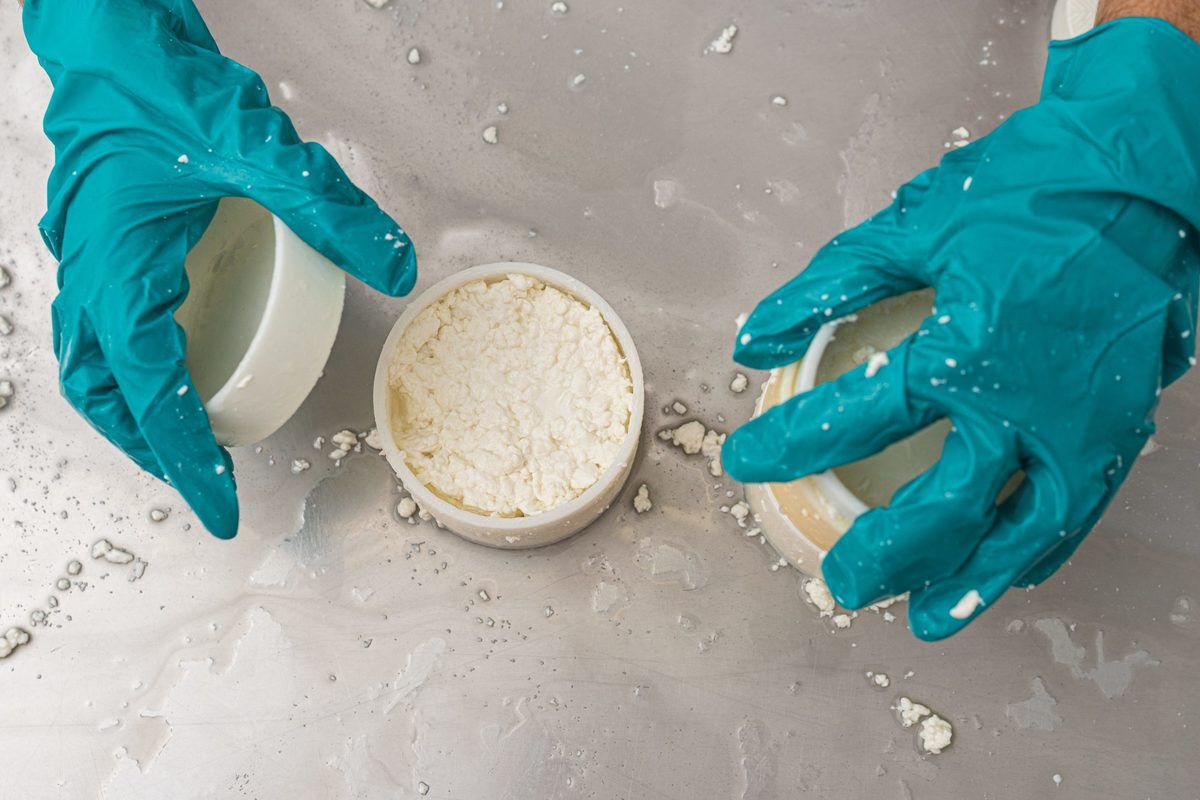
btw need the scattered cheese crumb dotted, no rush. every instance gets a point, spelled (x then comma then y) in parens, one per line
(710, 448)
(841, 621)
(693, 439)
(74, 568)
(345, 439)
(491, 135)
(819, 595)
(406, 508)
(910, 713)
(877, 362)
(967, 605)
(105, 549)
(1058, 779)
(689, 437)
(739, 383)
(641, 501)
(6, 327)
(740, 511)
(936, 734)
(723, 44)
(679, 407)
(559, 8)
(880, 679)
(377, 3)
(374, 439)
(414, 56)
(13, 638)
(300, 465)
(63, 584)
(887, 602)
(779, 100)
(158, 515)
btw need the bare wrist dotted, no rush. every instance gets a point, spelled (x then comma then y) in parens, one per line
(1183, 14)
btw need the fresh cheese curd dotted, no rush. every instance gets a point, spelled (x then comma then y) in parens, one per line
(511, 397)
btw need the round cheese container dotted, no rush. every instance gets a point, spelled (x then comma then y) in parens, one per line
(1073, 18)
(261, 315)
(513, 531)
(803, 519)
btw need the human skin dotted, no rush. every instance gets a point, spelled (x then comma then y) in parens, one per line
(1183, 14)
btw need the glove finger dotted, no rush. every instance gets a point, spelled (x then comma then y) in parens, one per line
(150, 371)
(836, 423)
(89, 386)
(1051, 562)
(133, 283)
(304, 186)
(1062, 552)
(1179, 350)
(1030, 524)
(259, 155)
(929, 529)
(862, 266)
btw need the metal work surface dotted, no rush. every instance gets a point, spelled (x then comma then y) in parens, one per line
(333, 650)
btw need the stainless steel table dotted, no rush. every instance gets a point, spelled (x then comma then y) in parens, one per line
(334, 651)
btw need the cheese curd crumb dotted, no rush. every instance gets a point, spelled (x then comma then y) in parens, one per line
(512, 397)
(641, 501)
(12, 639)
(819, 595)
(911, 713)
(105, 549)
(406, 508)
(693, 438)
(936, 734)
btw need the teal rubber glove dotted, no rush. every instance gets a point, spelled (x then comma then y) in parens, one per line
(151, 126)
(1065, 255)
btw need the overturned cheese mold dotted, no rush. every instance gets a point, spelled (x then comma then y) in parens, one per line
(803, 519)
(261, 317)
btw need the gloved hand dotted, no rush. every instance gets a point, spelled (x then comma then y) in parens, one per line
(1064, 249)
(151, 126)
